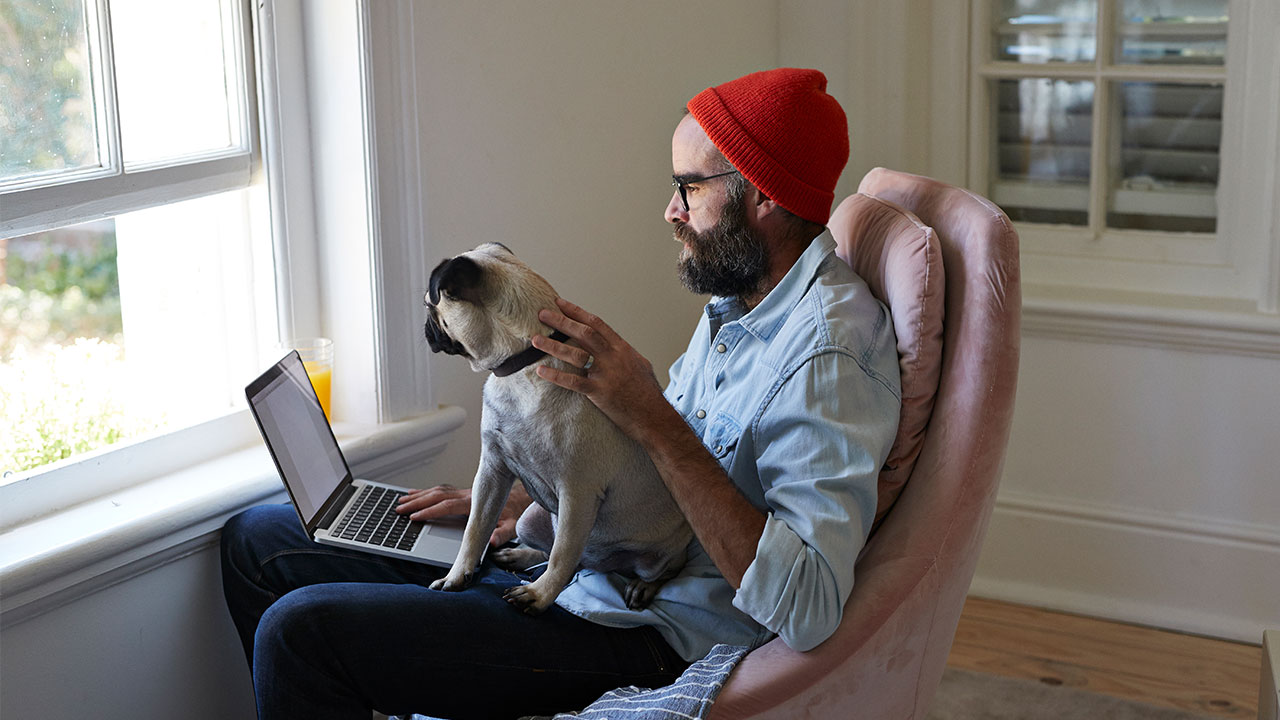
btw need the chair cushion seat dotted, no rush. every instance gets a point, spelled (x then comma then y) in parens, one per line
(900, 259)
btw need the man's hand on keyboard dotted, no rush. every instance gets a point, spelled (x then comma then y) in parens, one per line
(444, 501)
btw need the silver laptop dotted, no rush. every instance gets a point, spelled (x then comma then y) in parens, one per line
(334, 508)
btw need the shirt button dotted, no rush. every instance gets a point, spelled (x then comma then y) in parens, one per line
(721, 348)
(701, 414)
(719, 449)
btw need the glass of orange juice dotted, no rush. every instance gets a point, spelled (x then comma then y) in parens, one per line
(317, 358)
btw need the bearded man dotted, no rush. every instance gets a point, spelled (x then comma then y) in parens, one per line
(770, 436)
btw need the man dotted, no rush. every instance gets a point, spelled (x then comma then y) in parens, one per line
(770, 436)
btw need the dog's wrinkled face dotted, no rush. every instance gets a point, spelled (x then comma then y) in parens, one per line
(483, 305)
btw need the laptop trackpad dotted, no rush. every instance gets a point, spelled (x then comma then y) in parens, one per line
(446, 529)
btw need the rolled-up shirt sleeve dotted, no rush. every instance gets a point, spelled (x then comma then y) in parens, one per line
(820, 443)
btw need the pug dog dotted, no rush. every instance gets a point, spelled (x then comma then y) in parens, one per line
(599, 502)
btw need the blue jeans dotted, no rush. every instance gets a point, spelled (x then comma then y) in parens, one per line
(331, 633)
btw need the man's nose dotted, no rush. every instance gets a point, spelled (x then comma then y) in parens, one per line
(675, 209)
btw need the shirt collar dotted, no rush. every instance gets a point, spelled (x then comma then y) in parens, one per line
(765, 319)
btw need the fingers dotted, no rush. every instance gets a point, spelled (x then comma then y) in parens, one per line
(437, 502)
(575, 356)
(585, 335)
(592, 336)
(589, 330)
(576, 313)
(431, 496)
(456, 507)
(448, 508)
(570, 381)
(504, 533)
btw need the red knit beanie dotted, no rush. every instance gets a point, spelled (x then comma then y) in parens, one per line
(783, 132)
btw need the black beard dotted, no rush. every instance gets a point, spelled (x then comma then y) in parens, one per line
(728, 260)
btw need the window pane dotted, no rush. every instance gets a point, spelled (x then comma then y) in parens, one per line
(177, 97)
(1043, 131)
(48, 121)
(1037, 31)
(1173, 32)
(61, 346)
(1167, 175)
(122, 327)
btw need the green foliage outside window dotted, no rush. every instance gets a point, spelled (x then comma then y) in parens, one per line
(62, 402)
(62, 364)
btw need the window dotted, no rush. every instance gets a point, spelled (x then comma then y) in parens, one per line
(1117, 134)
(136, 281)
(1153, 80)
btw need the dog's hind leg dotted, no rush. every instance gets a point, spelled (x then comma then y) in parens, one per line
(518, 559)
(652, 571)
(536, 528)
(536, 536)
(640, 593)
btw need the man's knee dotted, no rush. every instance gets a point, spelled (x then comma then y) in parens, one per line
(249, 534)
(236, 543)
(295, 625)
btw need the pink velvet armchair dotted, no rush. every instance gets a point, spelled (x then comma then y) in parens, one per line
(946, 262)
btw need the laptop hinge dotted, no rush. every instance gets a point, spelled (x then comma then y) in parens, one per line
(340, 502)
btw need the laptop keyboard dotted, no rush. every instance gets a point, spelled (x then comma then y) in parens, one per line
(373, 519)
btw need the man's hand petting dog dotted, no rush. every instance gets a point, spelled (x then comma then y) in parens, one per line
(621, 381)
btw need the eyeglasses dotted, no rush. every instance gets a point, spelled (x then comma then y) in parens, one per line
(682, 184)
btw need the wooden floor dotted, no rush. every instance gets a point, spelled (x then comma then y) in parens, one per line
(1202, 675)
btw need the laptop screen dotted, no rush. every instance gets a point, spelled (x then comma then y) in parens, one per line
(298, 436)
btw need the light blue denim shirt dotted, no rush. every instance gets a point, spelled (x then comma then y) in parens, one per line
(799, 400)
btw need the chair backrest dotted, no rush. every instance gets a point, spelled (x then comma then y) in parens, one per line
(887, 657)
(900, 259)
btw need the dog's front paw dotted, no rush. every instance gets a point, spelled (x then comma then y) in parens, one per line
(529, 599)
(453, 582)
(640, 593)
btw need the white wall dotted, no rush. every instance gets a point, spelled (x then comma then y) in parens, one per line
(1142, 484)
(158, 645)
(547, 127)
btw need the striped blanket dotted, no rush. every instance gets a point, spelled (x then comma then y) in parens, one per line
(688, 698)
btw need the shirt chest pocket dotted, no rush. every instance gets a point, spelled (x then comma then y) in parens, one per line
(721, 438)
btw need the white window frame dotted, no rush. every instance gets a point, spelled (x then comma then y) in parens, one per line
(369, 246)
(1103, 282)
(92, 519)
(117, 187)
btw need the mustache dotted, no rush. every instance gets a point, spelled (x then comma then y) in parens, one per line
(682, 232)
(685, 234)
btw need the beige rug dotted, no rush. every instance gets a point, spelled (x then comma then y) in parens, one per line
(966, 695)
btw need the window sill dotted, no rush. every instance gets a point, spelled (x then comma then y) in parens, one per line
(1149, 320)
(52, 560)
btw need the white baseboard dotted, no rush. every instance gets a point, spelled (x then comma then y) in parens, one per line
(1191, 574)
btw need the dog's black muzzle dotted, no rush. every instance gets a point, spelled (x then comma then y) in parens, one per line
(438, 339)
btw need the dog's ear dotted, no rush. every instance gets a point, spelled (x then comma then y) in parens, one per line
(459, 278)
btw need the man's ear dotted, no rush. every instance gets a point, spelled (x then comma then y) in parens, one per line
(764, 206)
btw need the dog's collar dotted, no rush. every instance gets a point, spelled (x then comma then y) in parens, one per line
(525, 358)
